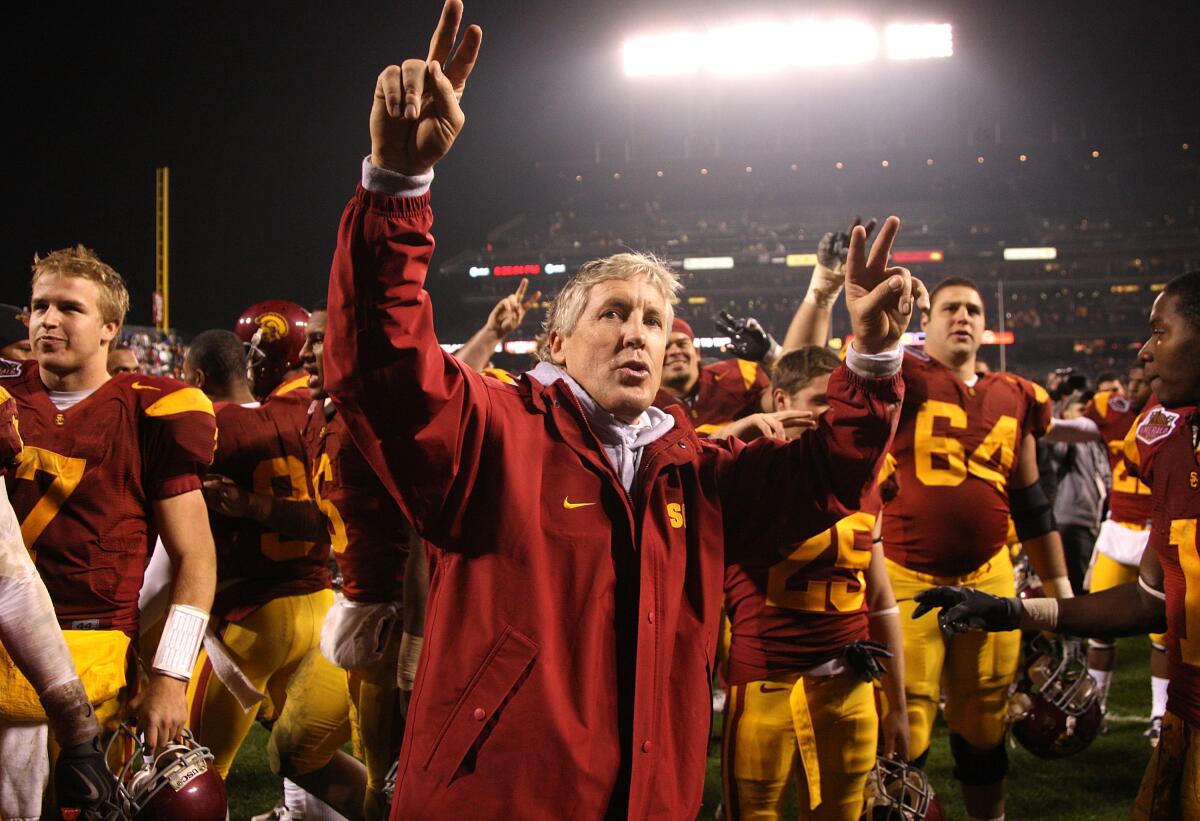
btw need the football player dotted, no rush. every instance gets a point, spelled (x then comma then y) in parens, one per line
(32, 643)
(14, 334)
(801, 704)
(1167, 440)
(375, 630)
(963, 460)
(1109, 419)
(107, 462)
(274, 584)
(713, 395)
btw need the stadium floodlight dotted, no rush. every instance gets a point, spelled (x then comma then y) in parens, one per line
(922, 41)
(761, 47)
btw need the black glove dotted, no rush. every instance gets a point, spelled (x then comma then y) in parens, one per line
(82, 781)
(834, 247)
(748, 339)
(965, 607)
(865, 659)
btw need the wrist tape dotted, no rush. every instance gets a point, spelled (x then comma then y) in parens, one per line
(180, 642)
(410, 655)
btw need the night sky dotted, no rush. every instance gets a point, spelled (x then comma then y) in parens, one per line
(261, 111)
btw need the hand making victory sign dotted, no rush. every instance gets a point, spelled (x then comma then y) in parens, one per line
(416, 115)
(880, 298)
(510, 312)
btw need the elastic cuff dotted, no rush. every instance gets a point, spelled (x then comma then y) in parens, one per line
(382, 181)
(875, 365)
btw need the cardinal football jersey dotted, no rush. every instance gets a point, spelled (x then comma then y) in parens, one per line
(1114, 416)
(727, 391)
(954, 450)
(796, 614)
(370, 535)
(262, 449)
(86, 477)
(1168, 457)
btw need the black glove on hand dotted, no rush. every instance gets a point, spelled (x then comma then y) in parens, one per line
(748, 339)
(866, 659)
(834, 247)
(82, 780)
(965, 607)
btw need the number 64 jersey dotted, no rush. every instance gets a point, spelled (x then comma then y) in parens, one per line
(954, 450)
(84, 482)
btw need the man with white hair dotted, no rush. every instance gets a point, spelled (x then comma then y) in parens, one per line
(582, 535)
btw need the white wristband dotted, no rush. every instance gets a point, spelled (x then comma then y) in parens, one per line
(894, 610)
(1158, 594)
(180, 642)
(410, 655)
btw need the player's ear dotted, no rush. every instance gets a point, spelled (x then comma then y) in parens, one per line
(198, 378)
(781, 400)
(924, 320)
(108, 332)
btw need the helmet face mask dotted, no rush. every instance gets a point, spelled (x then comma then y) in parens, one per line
(898, 791)
(179, 782)
(1056, 707)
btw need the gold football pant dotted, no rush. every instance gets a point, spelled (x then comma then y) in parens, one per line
(315, 721)
(1170, 788)
(378, 727)
(822, 728)
(1107, 572)
(268, 645)
(974, 669)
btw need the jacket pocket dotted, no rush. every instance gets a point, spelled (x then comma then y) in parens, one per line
(479, 707)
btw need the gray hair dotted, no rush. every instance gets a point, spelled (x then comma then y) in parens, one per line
(568, 306)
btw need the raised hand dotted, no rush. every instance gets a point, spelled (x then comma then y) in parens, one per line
(510, 312)
(747, 337)
(834, 246)
(776, 425)
(879, 298)
(416, 114)
(965, 607)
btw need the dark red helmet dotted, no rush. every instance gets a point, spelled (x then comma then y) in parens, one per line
(898, 791)
(273, 332)
(179, 782)
(1055, 711)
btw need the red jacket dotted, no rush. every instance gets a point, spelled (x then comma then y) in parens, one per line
(571, 626)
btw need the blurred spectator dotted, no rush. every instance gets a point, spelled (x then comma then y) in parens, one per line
(122, 359)
(14, 334)
(1082, 474)
(157, 353)
(1110, 381)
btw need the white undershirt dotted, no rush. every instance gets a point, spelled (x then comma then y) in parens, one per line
(970, 383)
(67, 399)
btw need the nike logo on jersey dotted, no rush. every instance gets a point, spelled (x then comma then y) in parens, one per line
(138, 386)
(569, 505)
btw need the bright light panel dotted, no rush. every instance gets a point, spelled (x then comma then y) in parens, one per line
(923, 41)
(764, 47)
(1030, 253)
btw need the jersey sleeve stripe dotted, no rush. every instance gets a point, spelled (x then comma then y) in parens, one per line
(181, 401)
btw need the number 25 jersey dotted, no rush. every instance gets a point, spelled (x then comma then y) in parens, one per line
(85, 481)
(954, 450)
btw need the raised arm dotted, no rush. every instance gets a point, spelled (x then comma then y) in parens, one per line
(811, 323)
(413, 411)
(505, 318)
(822, 476)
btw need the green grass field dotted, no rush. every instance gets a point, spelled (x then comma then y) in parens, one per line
(1099, 783)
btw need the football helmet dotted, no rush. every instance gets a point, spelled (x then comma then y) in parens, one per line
(273, 333)
(1055, 710)
(898, 791)
(179, 782)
